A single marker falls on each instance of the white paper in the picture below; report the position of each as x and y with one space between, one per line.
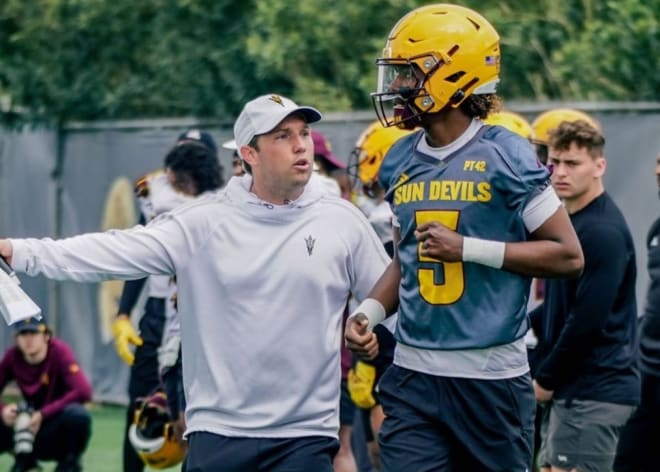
15 305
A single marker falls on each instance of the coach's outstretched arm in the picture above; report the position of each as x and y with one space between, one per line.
94 257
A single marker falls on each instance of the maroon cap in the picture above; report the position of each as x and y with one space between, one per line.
322 148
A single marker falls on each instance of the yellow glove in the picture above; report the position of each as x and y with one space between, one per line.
125 334
361 380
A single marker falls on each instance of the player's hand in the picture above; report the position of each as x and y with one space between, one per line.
125 335
362 342
9 412
542 395
6 250
439 242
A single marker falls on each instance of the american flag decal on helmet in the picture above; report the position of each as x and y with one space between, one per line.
492 60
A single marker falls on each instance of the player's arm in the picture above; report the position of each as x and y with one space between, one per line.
383 300
553 250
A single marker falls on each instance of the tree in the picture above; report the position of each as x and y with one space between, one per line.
64 60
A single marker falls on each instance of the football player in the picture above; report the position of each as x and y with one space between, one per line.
475 217
158 192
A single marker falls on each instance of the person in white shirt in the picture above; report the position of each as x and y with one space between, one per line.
264 269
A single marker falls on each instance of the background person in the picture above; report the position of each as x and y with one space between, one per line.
475 219
587 363
190 169
636 450
54 389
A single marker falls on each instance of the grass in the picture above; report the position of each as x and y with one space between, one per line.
104 452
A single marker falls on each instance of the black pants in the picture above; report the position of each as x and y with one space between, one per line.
144 372
215 453
637 450
61 436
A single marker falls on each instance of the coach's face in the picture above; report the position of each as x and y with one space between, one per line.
282 161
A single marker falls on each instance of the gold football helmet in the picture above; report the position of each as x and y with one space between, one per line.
152 433
435 56
511 121
551 119
546 122
369 152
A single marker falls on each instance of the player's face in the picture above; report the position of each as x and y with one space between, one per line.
33 345
575 173
283 162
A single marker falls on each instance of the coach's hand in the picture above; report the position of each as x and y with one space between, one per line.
125 335
439 242
359 339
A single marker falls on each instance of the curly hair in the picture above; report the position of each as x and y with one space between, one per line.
579 132
195 162
480 106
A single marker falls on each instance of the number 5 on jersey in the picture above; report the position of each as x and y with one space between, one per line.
453 285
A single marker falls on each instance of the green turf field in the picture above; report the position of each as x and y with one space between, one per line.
104 451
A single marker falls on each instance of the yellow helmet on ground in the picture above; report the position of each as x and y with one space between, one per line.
152 433
435 56
551 119
370 149
511 121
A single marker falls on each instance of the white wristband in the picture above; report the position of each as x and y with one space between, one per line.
483 251
373 310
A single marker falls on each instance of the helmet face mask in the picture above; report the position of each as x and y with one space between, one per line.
401 86
436 56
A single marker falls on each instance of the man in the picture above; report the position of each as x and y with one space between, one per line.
636 449
264 269
475 219
587 351
53 390
191 167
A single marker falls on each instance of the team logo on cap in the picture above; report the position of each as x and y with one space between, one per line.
277 99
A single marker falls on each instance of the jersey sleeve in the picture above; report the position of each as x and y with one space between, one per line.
522 177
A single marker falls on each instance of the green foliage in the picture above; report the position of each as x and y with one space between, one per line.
66 60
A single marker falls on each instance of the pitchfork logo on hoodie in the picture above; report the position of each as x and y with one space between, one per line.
309 242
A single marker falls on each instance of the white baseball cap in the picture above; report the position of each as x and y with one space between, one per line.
264 113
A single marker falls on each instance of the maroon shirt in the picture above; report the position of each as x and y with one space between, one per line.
50 385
